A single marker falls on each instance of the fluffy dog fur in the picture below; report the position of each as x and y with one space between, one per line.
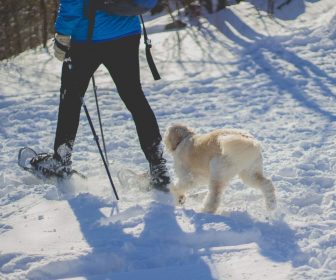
216 158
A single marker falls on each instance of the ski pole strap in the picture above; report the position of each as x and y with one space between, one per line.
149 57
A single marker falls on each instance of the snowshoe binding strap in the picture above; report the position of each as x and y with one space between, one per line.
57 169
31 161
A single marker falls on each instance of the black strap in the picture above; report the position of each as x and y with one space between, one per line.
149 57
91 11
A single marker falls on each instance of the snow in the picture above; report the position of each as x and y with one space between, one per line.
273 77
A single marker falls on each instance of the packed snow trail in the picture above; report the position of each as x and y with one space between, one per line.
273 77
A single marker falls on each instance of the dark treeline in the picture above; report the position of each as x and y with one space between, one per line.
25 24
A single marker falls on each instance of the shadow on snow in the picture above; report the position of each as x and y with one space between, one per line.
162 246
267 54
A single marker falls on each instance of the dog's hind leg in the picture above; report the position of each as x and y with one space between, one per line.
257 180
221 172
212 200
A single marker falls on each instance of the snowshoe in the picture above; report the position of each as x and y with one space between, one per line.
143 181
44 165
130 179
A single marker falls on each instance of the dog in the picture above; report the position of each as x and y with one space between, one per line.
216 158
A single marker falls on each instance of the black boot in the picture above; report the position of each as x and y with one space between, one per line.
159 175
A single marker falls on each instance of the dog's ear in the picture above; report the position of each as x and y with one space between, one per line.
174 135
171 139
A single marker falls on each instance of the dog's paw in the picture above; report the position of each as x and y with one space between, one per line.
180 197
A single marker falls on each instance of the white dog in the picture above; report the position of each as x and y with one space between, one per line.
216 157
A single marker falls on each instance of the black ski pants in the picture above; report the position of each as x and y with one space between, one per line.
121 58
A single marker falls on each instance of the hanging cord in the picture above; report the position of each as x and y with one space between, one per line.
91 12
149 57
99 118
99 148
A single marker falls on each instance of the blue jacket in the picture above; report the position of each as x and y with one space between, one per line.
72 21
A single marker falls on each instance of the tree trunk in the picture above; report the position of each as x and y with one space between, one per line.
25 24
45 23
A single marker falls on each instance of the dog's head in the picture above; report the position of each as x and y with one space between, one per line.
175 135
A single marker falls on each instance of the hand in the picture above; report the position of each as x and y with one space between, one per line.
61 46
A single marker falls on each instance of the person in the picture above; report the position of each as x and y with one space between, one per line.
115 44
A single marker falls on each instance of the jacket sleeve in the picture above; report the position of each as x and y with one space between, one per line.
69 14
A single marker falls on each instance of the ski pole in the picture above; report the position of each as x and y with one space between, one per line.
99 118
99 148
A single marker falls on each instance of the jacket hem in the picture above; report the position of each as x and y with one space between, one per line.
107 39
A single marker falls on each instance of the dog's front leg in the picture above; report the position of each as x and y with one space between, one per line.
179 193
185 181
179 190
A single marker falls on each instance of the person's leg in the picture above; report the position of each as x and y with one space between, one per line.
121 58
76 76
75 79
